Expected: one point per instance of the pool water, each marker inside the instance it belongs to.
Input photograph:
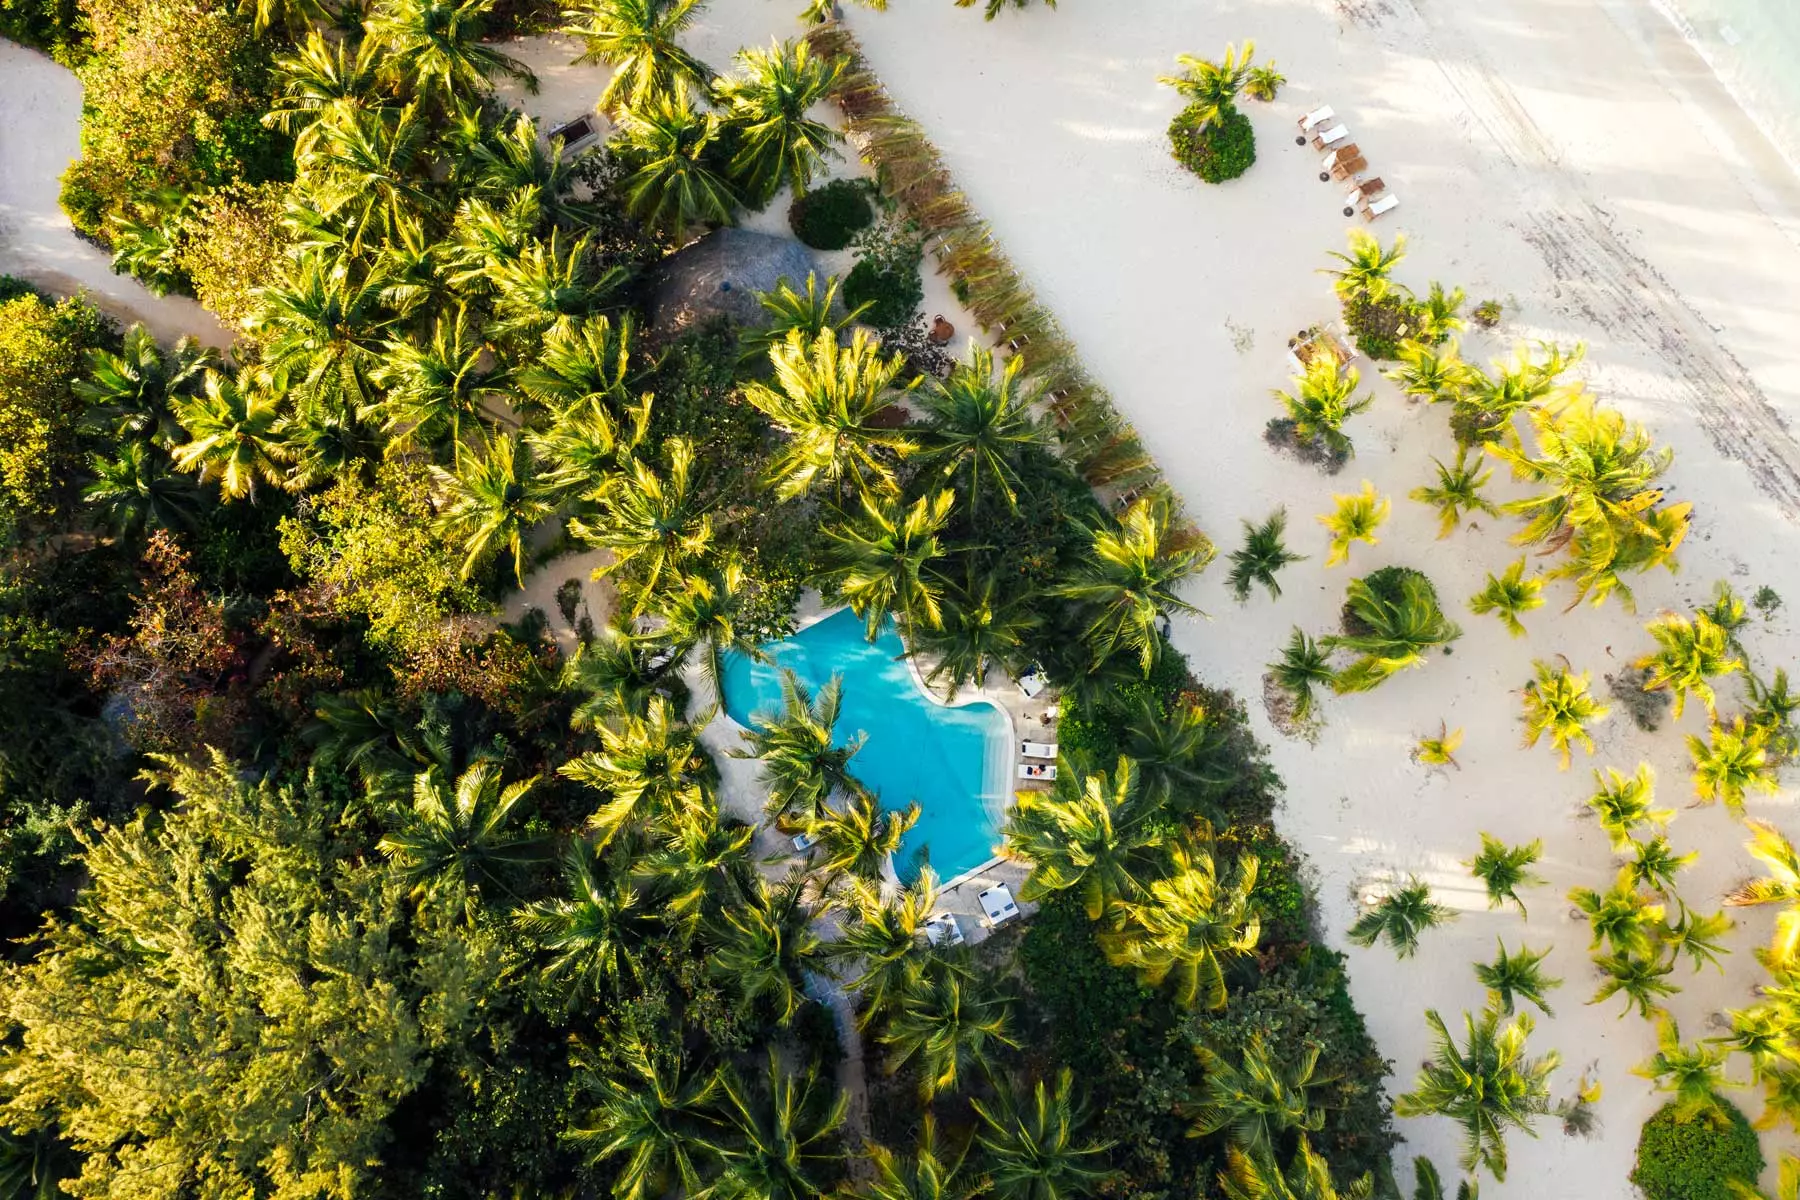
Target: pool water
(953, 761)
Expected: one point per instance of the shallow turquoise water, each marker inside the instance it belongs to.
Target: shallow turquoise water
(951, 760)
(1754, 48)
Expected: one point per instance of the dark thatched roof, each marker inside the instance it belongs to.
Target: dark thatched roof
(719, 276)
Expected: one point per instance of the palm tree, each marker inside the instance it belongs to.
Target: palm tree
(1433, 372)
(883, 561)
(883, 939)
(703, 610)
(1302, 665)
(981, 426)
(456, 841)
(1458, 492)
(613, 672)
(651, 1114)
(586, 366)
(550, 285)
(1322, 400)
(1040, 1149)
(762, 945)
(1257, 1101)
(781, 1144)
(1733, 761)
(1181, 756)
(1095, 835)
(594, 935)
(1128, 583)
(1513, 976)
(1507, 595)
(862, 836)
(131, 394)
(1187, 925)
(1399, 621)
(1264, 554)
(364, 171)
(1787, 1185)
(1638, 976)
(433, 388)
(826, 398)
(323, 443)
(637, 39)
(1355, 519)
(991, 9)
(1210, 86)
(231, 429)
(1623, 803)
(926, 1174)
(654, 524)
(1400, 916)
(134, 492)
(811, 313)
(1780, 885)
(1654, 864)
(1505, 869)
(496, 493)
(1440, 314)
(1698, 936)
(1688, 654)
(434, 47)
(802, 764)
(510, 159)
(699, 864)
(648, 766)
(1488, 1086)
(1365, 270)
(949, 1019)
(1440, 751)
(1622, 916)
(1308, 1177)
(323, 81)
(673, 185)
(1261, 83)
(1690, 1075)
(978, 629)
(1760, 1034)
(1559, 706)
(768, 106)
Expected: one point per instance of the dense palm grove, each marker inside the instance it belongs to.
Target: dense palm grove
(324, 883)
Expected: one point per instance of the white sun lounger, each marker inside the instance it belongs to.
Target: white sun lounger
(804, 842)
(997, 903)
(1037, 771)
(943, 930)
(1332, 136)
(1038, 750)
(1316, 117)
(1387, 203)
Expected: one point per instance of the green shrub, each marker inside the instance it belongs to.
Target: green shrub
(1697, 1159)
(827, 218)
(1216, 152)
(1380, 326)
(886, 277)
(53, 26)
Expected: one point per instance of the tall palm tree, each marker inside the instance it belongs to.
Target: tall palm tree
(324, 80)
(1188, 925)
(1255, 1101)
(1689, 652)
(323, 443)
(883, 939)
(1096, 835)
(1559, 706)
(1181, 758)
(1039, 1148)
(978, 628)
(803, 763)
(882, 560)
(948, 1020)
(550, 285)
(861, 837)
(780, 1143)
(1760, 1034)
(826, 398)
(1507, 595)
(594, 935)
(1780, 885)
(1400, 917)
(1488, 1085)
(673, 184)
(1698, 935)
(134, 491)
(1355, 518)
(703, 611)
(587, 365)
(456, 840)
(1654, 864)
(434, 48)
(496, 493)
(809, 313)
(1622, 916)
(614, 672)
(1440, 314)
(649, 1115)
(324, 323)
(637, 39)
(768, 104)
(1638, 976)
(132, 394)
(365, 173)
(700, 863)
(1365, 270)
(1302, 666)
(1733, 761)
(648, 766)
(926, 1174)
(1128, 583)
(1398, 625)
(1457, 493)
(763, 944)
(656, 525)
(1433, 372)
(1623, 803)
(231, 429)
(1516, 976)
(1691, 1076)
(435, 387)
(1212, 86)
(1308, 1177)
(981, 426)
(1263, 554)
(1505, 869)
(510, 159)
(1322, 400)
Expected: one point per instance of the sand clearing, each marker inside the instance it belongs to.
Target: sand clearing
(1572, 160)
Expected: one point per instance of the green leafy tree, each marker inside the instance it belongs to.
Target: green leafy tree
(1505, 869)
(1187, 925)
(1263, 554)
(1039, 1148)
(1256, 1100)
(1095, 835)
(1457, 492)
(131, 395)
(947, 1020)
(1698, 935)
(1400, 917)
(1434, 373)
(1559, 706)
(1182, 761)
(882, 561)
(1440, 314)
(789, 310)
(1507, 595)
(803, 764)
(1511, 977)
(769, 104)
(638, 39)
(705, 610)
(1128, 582)
(1488, 1085)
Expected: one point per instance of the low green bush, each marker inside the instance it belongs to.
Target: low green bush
(1216, 152)
(886, 277)
(1697, 1159)
(53, 26)
(1380, 326)
(827, 218)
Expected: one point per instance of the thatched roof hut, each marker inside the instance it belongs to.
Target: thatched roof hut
(719, 276)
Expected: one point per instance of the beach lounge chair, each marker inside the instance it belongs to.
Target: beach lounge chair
(1039, 750)
(804, 842)
(1386, 204)
(1331, 137)
(1361, 193)
(997, 902)
(1336, 155)
(943, 930)
(1313, 120)
(1038, 772)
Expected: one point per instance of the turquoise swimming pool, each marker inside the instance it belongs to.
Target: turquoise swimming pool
(953, 761)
